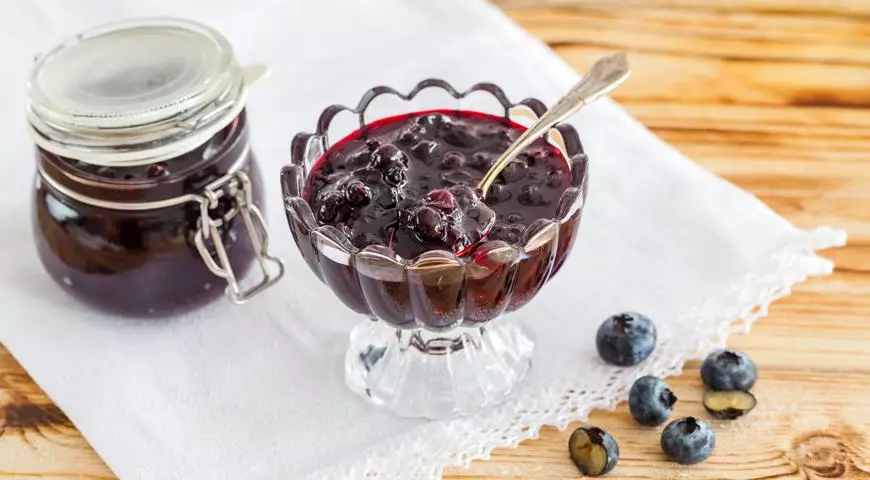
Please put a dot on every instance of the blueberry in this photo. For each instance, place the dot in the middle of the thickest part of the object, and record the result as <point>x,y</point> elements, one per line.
<point>434,119</point>
<point>455,239</point>
<point>507,233</point>
<point>395,174</point>
<point>407,137</point>
<point>424,149</point>
<point>345,229</point>
<point>498,193</point>
<point>458,135</point>
<point>387,154</point>
<point>506,135</point>
<point>442,200</point>
<point>651,401</point>
<point>728,370</point>
<point>362,240</point>
<point>484,216</point>
<point>509,236</point>
<point>357,193</point>
<point>427,223</point>
<point>688,440</point>
<point>514,171</point>
<point>371,356</point>
<point>465,196</point>
<point>530,195</point>
<point>626,339</point>
<point>728,404</point>
<point>515,217</point>
<point>593,451</point>
<point>527,157</point>
<point>158,170</point>
<point>497,231</point>
<point>517,229</point>
<point>481,161</point>
<point>554,178</point>
<point>410,135</point>
<point>329,207</point>
<point>372,144</point>
<point>451,161</point>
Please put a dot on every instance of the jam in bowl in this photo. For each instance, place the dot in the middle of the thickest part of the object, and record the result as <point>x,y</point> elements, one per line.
<point>388,217</point>
<point>147,194</point>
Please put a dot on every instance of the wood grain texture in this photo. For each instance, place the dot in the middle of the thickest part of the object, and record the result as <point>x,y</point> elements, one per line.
<point>775,97</point>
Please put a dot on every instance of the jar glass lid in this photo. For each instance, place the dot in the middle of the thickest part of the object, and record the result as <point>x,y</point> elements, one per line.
<point>118,94</point>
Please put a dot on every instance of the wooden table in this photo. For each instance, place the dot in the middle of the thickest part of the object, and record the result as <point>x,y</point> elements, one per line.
<point>775,97</point>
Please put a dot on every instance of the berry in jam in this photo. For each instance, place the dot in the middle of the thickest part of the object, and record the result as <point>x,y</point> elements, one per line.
<point>452,218</point>
<point>408,182</point>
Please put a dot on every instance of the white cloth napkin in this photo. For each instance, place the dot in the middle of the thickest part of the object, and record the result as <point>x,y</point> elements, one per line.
<point>256,391</point>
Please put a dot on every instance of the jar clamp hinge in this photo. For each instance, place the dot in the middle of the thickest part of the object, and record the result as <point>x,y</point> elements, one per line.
<point>238,186</point>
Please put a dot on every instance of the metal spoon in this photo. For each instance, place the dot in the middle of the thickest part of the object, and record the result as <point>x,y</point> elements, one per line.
<point>604,76</point>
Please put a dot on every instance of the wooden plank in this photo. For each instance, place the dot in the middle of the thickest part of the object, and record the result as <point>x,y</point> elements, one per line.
<point>670,76</point>
<point>772,95</point>
<point>810,8</point>
<point>704,34</point>
<point>36,439</point>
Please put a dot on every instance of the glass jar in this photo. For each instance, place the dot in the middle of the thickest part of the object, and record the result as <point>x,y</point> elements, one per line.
<point>147,195</point>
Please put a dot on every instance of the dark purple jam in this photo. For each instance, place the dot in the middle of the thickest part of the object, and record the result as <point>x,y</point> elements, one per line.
<point>141,263</point>
<point>407,182</point>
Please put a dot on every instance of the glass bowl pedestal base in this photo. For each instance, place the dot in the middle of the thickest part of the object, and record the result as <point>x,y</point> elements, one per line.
<point>418,373</point>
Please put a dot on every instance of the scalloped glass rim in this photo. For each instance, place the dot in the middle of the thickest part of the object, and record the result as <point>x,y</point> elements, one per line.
<point>307,147</point>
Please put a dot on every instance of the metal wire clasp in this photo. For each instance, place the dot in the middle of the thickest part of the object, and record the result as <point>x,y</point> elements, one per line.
<point>237,186</point>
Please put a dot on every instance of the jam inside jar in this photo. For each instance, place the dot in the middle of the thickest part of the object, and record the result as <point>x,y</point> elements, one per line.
<point>147,203</point>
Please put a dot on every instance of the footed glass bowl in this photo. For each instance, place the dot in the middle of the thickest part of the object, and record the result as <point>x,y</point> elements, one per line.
<point>439,339</point>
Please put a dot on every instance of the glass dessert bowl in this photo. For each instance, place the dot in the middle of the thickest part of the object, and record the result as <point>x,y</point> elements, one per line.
<point>388,218</point>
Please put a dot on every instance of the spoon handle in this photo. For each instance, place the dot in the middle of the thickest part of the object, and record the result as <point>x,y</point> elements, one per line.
<point>604,76</point>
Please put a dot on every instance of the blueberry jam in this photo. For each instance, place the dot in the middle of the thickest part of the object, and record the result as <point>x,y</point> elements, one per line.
<point>141,263</point>
<point>408,182</point>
